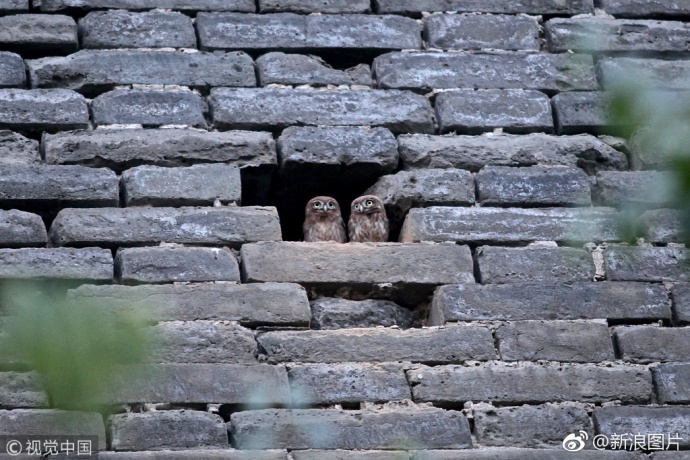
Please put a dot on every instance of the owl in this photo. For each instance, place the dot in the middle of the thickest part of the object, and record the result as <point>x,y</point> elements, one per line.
<point>368,221</point>
<point>323,221</point>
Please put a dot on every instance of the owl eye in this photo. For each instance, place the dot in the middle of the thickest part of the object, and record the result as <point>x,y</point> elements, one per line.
<point>317,205</point>
<point>369,203</point>
<point>331,205</point>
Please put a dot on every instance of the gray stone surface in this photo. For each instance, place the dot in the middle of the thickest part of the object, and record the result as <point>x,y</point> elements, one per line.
<point>20,229</point>
<point>533,186</point>
<point>661,226</point>
<point>563,341</point>
<point>478,31</point>
<point>525,454</point>
<point>447,345</point>
<point>680,293</point>
<point>334,313</point>
<point>14,6</point>
<point>124,29</point>
<point>39,33</point>
<point>651,73</point>
<point>175,264</point>
<point>274,109</point>
<point>42,110</point>
<point>191,454</point>
<point>544,426</point>
<point>474,152</point>
<point>349,455</point>
<point>16,149</point>
<point>635,419</point>
<point>620,301</point>
<point>659,264</point>
<point>298,69</point>
<point>513,225</point>
<point>489,70</point>
<point>672,383</point>
<point>196,185</point>
<point>266,304</point>
<point>646,344</point>
<point>348,383</point>
<point>166,430</point>
<point>91,264</point>
<point>149,107</point>
<point>534,264</point>
<point>671,455</point>
<point>284,31</point>
<point>474,112</point>
<point>112,227</point>
<point>23,390</point>
<point>532,383</point>
<point>38,422</point>
<point>336,429</point>
<point>245,6</point>
<point>12,73</point>
<point>640,189</point>
<point>484,6</point>
<point>315,6</point>
<point>95,71</point>
<point>581,112</point>
<point>646,8</point>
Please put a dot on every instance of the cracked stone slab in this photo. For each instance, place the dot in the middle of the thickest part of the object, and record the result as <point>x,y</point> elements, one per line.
<point>16,149</point>
<point>647,344</point>
<point>21,229</point>
<point>244,6</point>
<point>546,7</point>
<point>92,264</point>
<point>659,264</point>
<point>297,69</point>
<point>672,383</point>
<point>478,31</point>
<point>43,110</point>
<point>38,33</point>
<point>334,313</point>
<point>640,419</point>
<point>12,72</point>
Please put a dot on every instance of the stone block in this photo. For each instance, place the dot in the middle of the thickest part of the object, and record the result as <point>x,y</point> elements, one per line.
<point>297,69</point>
<point>360,429</point>
<point>349,455</point>
<point>16,149</point>
<point>38,34</point>
<point>646,344</point>
<point>479,31</point>
<point>671,455</point>
<point>92,264</point>
<point>582,112</point>
<point>23,390</point>
<point>175,264</point>
<point>266,304</point>
<point>12,72</point>
<point>38,422</point>
<point>660,264</point>
<point>315,6</point>
<point>531,383</point>
<point>21,229</point>
<point>646,9</point>
<point>13,6</point>
<point>672,382</point>
<point>167,429</point>
<point>124,29</point>
<point>680,293</point>
<point>517,453</point>
<point>547,7</point>
<point>447,345</point>
<point>191,454</point>
<point>651,151</point>
<point>672,421</point>
<point>474,112</point>
<point>661,226</point>
<point>123,227</point>
<point>639,189</point>
<point>275,109</point>
<point>650,73</point>
<point>42,110</point>
<point>347,383</point>
<point>334,313</point>
<point>245,6</point>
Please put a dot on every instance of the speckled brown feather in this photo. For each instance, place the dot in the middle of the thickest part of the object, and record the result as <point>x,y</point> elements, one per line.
<point>368,225</point>
<point>320,225</point>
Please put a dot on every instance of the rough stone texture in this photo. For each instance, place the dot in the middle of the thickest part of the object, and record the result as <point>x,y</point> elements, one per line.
<point>487,70</point>
<point>42,110</point>
<point>533,186</point>
<point>662,226</point>
<point>646,8</point>
<point>649,151</point>
<point>550,301</point>
<point>483,6</point>
<point>474,152</point>
<point>650,73</point>
<point>315,6</point>
<point>531,383</point>
<point>473,112</point>
<point>362,429</point>
<point>91,264</point>
<point>224,454</point>
<point>297,69</point>
<point>671,455</point>
<point>112,227</point>
<point>273,109</point>
<point>534,264</point>
<point>447,345</point>
<point>96,71</point>
<point>478,31</point>
<point>348,383</point>
<point>670,420</point>
<point>149,107</point>
<point>22,390</point>
<point>38,33</point>
<point>13,6</point>
<point>581,112</point>
<point>646,344</point>
<point>266,304</point>
<point>334,313</point>
<point>167,429</point>
<point>632,188</point>
<point>563,341</point>
<point>525,454</point>
<point>197,185</point>
<point>625,263</point>
<point>28,422</point>
<point>672,383</point>
<point>513,225</point>
<point>21,229</point>
<point>349,455</point>
<point>245,6</point>
<point>680,293</point>
<point>124,29</point>
<point>12,73</point>
<point>283,31</point>
<point>542,426</point>
<point>16,149</point>
<point>167,265</point>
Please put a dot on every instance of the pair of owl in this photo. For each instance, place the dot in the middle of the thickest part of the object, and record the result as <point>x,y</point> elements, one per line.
<point>323,221</point>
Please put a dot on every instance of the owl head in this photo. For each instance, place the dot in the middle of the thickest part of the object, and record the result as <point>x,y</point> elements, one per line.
<point>368,204</point>
<point>322,206</point>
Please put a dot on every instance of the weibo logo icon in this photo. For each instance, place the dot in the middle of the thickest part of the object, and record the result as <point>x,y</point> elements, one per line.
<point>575,442</point>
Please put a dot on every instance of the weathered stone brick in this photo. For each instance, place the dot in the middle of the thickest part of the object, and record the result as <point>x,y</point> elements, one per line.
<point>349,455</point>
<point>37,422</point>
<point>91,264</point>
<point>654,73</point>
<point>680,293</point>
<point>12,73</point>
<point>544,426</point>
<point>38,33</point>
<point>175,264</point>
<point>20,229</point>
<point>274,109</point>
<point>315,6</point>
<point>525,454</point>
<point>334,313</point>
<point>645,344</point>
<point>635,419</point>
<point>361,429</point>
<point>478,31</point>
<point>625,263</point>
<point>42,110</point>
<point>563,341</point>
<point>632,188</point>
<point>13,6</point>
<point>651,151</point>
<point>473,112</point>
<point>672,383</point>
<point>474,152</point>
<point>662,226</point>
<point>619,301</point>
<point>23,390</point>
<point>447,345</point>
<point>111,227</point>
<point>581,112</point>
<point>534,264</point>
<point>513,225</point>
<point>167,429</point>
<point>487,70</point>
<point>95,71</point>
<point>671,455</point>
<point>645,9</point>
<point>548,7</point>
<point>245,6</point>
<point>284,31</point>
<point>297,69</point>
<point>348,383</point>
<point>149,107</point>
<point>531,383</point>
<point>16,149</point>
<point>123,29</point>
<point>191,454</point>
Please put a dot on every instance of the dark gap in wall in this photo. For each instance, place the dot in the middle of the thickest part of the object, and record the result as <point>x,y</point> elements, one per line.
<point>337,58</point>
<point>618,353</point>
